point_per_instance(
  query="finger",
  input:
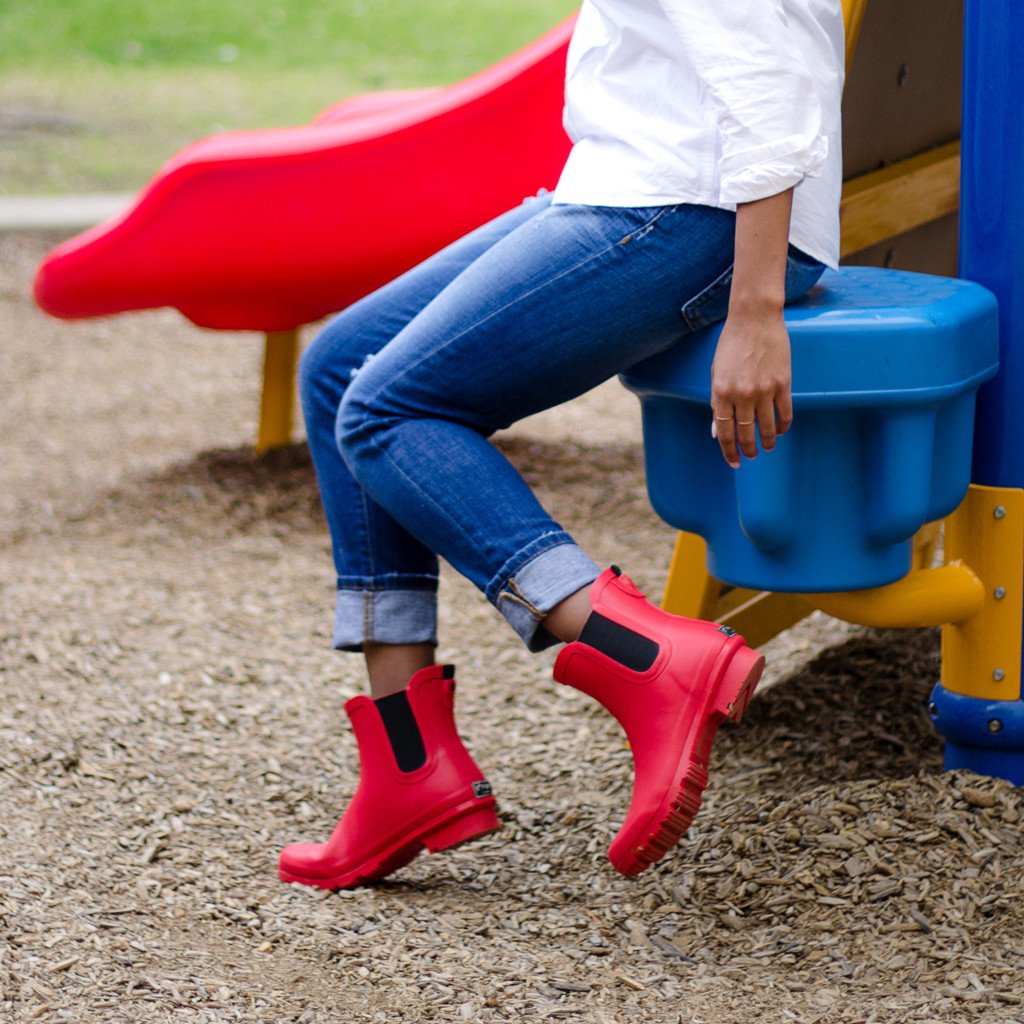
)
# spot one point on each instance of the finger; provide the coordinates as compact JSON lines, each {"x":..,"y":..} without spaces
{"x":766,"y":423}
{"x":725,"y":428}
{"x":746,"y":430}
{"x":784,"y":410}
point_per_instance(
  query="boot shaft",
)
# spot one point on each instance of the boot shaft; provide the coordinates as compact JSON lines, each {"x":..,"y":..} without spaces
{"x":411,"y":734}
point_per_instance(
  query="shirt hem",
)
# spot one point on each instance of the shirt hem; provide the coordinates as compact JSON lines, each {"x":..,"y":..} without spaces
{"x":637,"y":200}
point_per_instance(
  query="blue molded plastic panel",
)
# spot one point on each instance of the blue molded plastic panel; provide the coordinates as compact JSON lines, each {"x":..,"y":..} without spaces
{"x":886,"y":365}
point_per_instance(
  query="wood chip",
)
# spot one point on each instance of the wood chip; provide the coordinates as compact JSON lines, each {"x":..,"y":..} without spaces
{"x":630,"y":982}
{"x":978,"y":797}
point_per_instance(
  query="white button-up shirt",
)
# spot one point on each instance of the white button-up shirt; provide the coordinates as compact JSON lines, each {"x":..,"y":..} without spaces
{"x":716,"y":102}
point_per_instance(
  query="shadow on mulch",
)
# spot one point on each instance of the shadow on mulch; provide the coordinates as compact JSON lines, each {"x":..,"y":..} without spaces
{"x":236,"y":490}
{"x":217,"y":493}
{"x":857,"y":711}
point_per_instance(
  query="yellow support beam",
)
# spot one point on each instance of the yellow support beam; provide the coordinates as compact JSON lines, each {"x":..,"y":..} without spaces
{"x":981,"y":657}
{"x":899,"y":197}
{"x":853,"y":17}
{"x":924,"y":597}
{"x":692,"y":591}
{"x":765,"y":615}
{"x":926,"y":544}
{"x":277,"y":398}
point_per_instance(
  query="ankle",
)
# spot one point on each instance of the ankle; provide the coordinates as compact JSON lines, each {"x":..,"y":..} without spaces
{"x":567,"y":619}
{"x":391,"y":666}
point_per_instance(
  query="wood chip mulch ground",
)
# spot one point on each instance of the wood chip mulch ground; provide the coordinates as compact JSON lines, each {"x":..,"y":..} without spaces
{"x":171,"y":716}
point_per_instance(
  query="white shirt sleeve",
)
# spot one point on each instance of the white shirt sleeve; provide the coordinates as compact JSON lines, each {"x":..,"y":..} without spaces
{"x":763,"y":95}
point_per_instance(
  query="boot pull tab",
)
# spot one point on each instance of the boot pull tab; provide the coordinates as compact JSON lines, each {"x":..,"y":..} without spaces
{"x":623,"y":584}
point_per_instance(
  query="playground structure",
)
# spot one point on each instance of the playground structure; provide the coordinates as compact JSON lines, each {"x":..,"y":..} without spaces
{"x":183,"y":244}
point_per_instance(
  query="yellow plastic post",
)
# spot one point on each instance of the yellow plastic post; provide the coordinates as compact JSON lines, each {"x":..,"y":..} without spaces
{"x":277,"y":399}
{"x":981,"y":656}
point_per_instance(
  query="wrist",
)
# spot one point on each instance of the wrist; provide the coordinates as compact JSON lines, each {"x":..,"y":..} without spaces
{"x":762,"y":302}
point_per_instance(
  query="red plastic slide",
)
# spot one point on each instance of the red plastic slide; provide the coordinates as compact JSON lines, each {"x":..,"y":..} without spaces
{"x":268,"y":230}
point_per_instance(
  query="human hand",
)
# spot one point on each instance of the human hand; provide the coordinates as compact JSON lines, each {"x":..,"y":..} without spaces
{"x":751,"y":383}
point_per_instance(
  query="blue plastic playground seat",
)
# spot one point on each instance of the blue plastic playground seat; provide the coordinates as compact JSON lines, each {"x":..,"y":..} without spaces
{"x":886,"y":366}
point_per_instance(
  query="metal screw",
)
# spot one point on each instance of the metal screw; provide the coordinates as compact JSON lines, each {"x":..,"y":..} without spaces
{"x":933,"y":709}
{"x":999,"y":675}
{"x":994,"y":725}
{"x":999,"y":593}
{"x":1000,"y":512}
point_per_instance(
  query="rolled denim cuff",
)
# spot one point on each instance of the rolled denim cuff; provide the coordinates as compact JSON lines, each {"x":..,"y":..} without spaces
{"x":538,"y":585}
{"x":384,"y":617}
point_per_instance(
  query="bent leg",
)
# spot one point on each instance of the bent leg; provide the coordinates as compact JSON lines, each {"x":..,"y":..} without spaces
{"x":387,"y":579}
{"x":559,"y":305}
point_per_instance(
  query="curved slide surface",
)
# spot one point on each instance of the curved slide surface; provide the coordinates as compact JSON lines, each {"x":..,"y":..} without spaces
{"x":268,"y":230}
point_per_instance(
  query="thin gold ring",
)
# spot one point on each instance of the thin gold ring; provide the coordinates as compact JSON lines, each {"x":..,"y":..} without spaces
{"x":744,"y":423}
{"x":723,"y":418}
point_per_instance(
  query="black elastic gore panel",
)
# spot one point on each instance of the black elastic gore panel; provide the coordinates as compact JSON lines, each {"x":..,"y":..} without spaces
{"x":625,"y":646}
{"x":403,"y":732}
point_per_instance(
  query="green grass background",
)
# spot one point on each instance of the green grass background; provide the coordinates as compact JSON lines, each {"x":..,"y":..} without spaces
{"x":96,"y":94}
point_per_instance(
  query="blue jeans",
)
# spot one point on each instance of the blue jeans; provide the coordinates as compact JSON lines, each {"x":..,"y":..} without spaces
{"x":401,"y":391}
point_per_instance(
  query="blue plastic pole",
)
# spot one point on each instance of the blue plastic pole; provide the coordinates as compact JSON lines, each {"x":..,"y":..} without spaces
{"x":987,"y":736}
{"x":992,"y":221}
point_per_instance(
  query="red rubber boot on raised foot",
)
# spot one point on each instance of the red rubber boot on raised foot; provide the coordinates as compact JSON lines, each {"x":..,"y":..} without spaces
{"x":418,"y":788}
{"x":670,"y":681}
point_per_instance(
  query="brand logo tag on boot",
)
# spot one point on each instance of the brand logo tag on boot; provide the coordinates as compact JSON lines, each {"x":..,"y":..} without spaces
{"x":726,"y":630}
{"x":482,"y":788}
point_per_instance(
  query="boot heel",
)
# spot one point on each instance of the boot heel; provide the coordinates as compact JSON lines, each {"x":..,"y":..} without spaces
{"x":738,"y":682}
{"x":477,"y":823}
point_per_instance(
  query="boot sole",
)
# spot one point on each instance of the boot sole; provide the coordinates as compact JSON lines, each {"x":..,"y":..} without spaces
{"x":457,"y":826}
{"x":730,"y":697}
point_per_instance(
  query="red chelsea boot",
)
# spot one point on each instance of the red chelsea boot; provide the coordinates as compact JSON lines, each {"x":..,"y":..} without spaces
{"x":670,"y":681}
{"x":418,"y":788}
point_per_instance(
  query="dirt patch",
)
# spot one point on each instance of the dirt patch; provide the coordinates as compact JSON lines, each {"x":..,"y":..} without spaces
{"x":171,"y":717}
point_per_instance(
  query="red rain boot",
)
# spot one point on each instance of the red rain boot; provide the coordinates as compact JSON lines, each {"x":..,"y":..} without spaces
{"x":670,"y":681}
{"x":418,"y":787}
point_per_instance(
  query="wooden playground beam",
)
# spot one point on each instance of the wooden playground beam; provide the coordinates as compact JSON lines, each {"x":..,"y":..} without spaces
{"x":897,"y":198}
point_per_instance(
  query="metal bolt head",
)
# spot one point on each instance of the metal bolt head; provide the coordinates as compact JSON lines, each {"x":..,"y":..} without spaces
{"x":994,"y":725}
{"x":1000,"y":512}
{"x":998,"y":675}
{"x":999,"y":593}
{"x":933,"y":709}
